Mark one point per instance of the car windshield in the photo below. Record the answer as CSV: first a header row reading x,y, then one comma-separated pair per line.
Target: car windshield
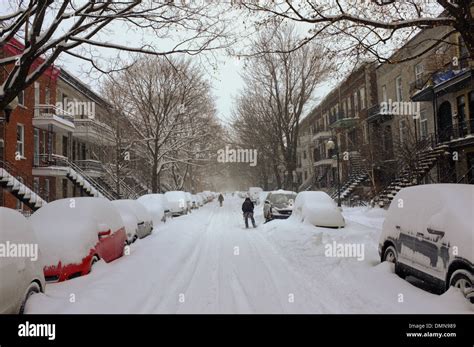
x,y
282,198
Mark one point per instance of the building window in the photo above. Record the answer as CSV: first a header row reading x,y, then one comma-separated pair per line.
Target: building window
x,y
419,75
356,106
398,87
46,189
384,93
304,154
36,153
461,109
36,184
20,140
64,187
47,96
21,98
44,142
423,125
349,106
365,133
403,130
362,98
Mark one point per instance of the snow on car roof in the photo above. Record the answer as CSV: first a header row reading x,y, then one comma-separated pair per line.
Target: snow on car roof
x,y
67,229
281,191
442,207
175,195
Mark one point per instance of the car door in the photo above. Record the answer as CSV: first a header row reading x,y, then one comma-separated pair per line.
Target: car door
x,y
432,252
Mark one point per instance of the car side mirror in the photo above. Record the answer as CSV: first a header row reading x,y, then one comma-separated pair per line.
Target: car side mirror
x,y
267,202
103,230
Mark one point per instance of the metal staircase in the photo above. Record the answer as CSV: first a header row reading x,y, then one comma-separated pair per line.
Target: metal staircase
x,y
356,177
109,180
407,177
88,184
21,190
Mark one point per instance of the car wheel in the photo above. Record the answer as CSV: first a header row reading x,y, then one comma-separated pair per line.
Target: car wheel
x,y
94,260
461,279
391,256
34,288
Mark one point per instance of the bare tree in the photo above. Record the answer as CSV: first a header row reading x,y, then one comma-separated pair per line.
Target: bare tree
x,y
171,113
40,31
370,27
281,85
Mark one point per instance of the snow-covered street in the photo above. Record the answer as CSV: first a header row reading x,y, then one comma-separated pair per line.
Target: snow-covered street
x,y
207,262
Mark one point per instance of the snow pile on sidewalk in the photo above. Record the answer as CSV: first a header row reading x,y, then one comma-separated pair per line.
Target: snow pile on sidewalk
x,y
346,263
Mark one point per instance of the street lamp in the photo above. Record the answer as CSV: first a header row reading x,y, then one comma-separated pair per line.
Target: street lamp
x,y
330,144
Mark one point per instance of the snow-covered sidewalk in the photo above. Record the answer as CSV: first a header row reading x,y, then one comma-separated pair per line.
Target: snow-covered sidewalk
x,y
207,262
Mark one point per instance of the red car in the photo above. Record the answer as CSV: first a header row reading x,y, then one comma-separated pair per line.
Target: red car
x,y
74,233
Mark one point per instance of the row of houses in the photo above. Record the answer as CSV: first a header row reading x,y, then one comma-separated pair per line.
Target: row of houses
x,y
60,141
393,125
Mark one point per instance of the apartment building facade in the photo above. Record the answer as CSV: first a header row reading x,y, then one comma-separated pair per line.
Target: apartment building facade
x,y
58,142
412,125
341,118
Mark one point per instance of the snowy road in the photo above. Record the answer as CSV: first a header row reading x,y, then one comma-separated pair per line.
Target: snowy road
x,y
207,262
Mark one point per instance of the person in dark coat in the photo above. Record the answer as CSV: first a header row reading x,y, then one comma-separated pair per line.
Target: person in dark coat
x,y
247,209
221,199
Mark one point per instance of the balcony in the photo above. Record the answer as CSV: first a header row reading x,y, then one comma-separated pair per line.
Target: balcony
x,y
50,117
377,115
92,168
94,131
341,121
457,133
450,81
53,165
321,135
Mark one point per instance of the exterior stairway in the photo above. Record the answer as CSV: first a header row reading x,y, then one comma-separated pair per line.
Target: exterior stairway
x,y
426,161
20,190
356,177
348,187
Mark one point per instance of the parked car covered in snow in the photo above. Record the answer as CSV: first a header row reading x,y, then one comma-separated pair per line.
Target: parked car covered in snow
x,y
137,220
428,233
157,206
318,209
177,202
189,201
279,204
20,276
74,233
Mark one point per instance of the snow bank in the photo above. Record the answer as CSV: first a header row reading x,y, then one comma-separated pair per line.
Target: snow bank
x,y
67,229
317,208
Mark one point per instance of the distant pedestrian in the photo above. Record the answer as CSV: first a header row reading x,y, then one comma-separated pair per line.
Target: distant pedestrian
x,y
221,199
247,209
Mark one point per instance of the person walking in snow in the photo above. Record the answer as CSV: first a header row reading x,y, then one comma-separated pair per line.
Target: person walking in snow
x,y
221,199
247,209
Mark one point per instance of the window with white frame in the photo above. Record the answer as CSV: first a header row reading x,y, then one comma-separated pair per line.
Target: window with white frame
x,y
384,93
362,98
419,74
20,140
398,88
423,124
356,106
